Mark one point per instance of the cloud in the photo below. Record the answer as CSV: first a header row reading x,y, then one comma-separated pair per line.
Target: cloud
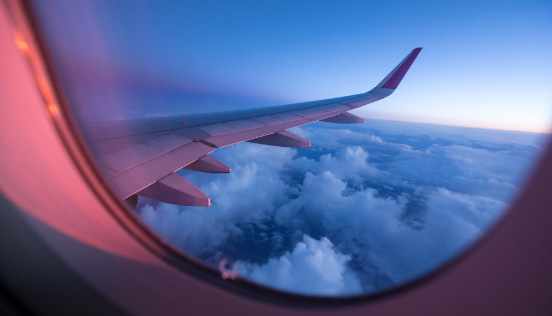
x,y
370,227
346,162
313,267
245,196
364,209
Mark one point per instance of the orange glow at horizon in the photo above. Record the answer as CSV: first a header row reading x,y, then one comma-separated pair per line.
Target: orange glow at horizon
x,y
497,126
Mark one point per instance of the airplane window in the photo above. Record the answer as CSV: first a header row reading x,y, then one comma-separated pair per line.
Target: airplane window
x,y
179,103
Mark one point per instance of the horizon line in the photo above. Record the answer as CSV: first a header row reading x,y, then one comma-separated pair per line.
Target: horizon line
x,y
469,125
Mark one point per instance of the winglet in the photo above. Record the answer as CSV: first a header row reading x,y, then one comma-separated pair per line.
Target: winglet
x,y
394,77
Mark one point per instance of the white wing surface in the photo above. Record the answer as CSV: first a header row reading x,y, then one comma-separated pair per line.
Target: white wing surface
x,y
140,157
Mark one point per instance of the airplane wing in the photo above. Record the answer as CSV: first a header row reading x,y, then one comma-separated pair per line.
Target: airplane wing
x,y
140,157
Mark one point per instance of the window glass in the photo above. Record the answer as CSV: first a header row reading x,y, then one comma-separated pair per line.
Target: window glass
x,y
367,207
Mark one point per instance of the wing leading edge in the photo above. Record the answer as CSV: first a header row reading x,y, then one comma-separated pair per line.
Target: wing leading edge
x,y
140,157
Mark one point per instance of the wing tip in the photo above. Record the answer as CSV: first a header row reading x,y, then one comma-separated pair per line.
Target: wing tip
x,y
394,78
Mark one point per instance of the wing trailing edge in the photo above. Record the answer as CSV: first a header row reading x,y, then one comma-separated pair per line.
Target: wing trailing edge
x,y
208,164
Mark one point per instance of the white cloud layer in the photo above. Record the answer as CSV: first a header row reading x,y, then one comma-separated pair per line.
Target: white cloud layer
x,y
364,209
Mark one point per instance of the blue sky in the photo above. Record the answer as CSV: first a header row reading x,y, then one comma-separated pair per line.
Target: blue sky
x,y
484,63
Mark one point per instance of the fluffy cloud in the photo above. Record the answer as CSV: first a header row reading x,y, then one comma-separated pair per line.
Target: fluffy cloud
x,y
366,208
313,267
245,196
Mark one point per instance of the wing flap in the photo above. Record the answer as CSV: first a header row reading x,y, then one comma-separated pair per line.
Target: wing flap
x,y
174,189
208,164
344,118
282,139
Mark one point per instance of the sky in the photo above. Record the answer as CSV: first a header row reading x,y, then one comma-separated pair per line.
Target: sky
x,y
484,63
